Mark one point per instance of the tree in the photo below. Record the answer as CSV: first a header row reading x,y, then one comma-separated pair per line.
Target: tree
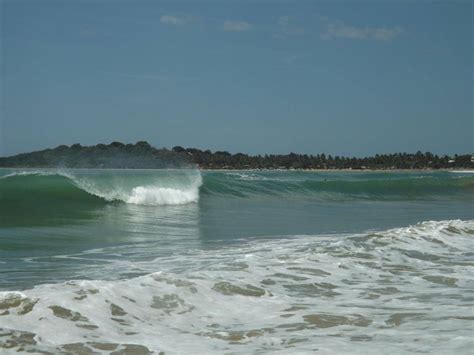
x,y
178,149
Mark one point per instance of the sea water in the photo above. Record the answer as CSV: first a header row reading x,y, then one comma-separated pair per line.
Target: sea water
x,y
190,262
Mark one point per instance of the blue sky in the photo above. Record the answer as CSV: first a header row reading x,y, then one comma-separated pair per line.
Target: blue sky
x,y
344,78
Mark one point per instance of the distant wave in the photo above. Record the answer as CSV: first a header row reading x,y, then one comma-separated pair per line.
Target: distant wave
x,y
331,188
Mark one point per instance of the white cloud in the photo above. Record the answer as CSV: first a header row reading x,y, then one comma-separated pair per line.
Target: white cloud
x,y
238,26
341,30
174,20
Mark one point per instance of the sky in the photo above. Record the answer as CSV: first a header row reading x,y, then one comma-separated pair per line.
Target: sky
x,y
350,78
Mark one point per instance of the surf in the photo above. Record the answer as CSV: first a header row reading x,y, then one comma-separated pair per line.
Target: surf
x,y
349,292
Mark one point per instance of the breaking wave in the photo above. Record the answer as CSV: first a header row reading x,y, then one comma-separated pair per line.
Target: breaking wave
x,y
167,187
183,186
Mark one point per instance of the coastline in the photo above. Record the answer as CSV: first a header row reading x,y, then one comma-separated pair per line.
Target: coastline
x,y
452,170
346,170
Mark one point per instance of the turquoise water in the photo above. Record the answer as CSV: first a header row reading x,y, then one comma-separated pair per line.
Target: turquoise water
x,y
184,261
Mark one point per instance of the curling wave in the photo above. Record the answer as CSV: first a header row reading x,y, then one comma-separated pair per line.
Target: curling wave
x,y
140,188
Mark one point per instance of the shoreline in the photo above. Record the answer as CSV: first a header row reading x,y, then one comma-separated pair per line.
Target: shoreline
x,y
453,170
346,170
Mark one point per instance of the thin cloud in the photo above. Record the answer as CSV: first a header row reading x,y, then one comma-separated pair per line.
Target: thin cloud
x,y
292,59
236,26
146,76
88,31
341,30
287,28
174,20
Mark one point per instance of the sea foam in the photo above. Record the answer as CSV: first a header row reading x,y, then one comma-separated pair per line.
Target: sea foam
x,y
150,195
398,291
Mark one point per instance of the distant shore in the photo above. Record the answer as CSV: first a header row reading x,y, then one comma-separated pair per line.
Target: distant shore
x,y
142,155
465,171
349,170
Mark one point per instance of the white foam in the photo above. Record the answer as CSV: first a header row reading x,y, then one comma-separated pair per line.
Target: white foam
x,y
176,188
247,176
44,172
398,291
150,195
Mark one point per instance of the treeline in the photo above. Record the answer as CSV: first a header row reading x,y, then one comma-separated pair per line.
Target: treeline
x,y
113,156
143,155
225,160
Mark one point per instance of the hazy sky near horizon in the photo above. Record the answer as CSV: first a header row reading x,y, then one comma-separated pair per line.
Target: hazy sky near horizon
x,y
342,77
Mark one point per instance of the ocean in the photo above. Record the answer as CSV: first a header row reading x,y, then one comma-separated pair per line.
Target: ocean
x,y
236,262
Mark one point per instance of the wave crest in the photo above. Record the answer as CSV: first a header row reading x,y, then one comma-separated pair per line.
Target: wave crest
x,y
152,188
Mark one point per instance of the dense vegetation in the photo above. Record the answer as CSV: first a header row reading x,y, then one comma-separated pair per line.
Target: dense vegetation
x,y
143,155
115,155
419,160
